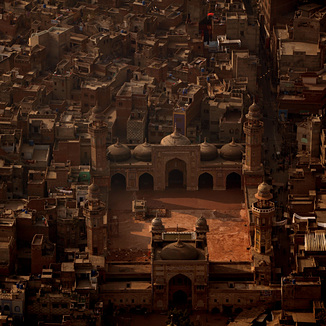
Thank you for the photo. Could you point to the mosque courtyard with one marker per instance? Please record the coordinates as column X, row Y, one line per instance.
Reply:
column 228, row 237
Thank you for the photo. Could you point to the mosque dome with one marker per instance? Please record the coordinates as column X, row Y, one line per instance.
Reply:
column 143, row 152
column 175, row 139
column 254, row 112
column 97, row 113
column 254, row 107
column 208, row 151
column 157, row 224
column 264, row 191
column 93, row 191
column 179, row 251
column 118, row 152
column 232, row 151
column 201, row 222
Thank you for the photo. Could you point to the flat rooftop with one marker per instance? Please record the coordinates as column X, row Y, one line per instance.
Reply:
column 228, row 238
column 309, row 48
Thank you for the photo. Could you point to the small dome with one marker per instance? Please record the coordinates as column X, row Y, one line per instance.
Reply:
column 254, row 107
column 118, row 152
column 157, row 224
column 254, row 112
column 264, row 191
column 208, row 151
column 232, row 151
column 97, row 114
column 143, row 152
column 179, row 251
column 175, row 139
column 93, row 191
column 201, row 222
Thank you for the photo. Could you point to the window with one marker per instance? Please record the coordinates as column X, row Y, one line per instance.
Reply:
column 132, row 300
column 239, row 300
column 17, row 309
column 55, row 305
column 44, row 305
column 64, row 306
column 128, row 285
column 215, row 300
column 144, row 300
column 226, row 300
column 121, row 300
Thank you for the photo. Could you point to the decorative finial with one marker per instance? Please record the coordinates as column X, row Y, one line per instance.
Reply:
column 205, row 140
column 175, row 129
column 232, row 142
column 179, row 243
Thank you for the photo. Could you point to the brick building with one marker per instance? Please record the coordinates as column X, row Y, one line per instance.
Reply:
column 43, row 253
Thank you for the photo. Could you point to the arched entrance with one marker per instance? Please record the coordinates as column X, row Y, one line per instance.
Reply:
column 233, row 181
column 146, row 182
column 175, row 179
column 118, row 182
column 175, row 173
column 180, row 291
column 205, row 181
column 6, row 310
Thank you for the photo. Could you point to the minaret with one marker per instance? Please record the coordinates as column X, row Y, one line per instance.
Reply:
column 263, row 212
column 94, row 211
column 253, row 128
column 98, row 130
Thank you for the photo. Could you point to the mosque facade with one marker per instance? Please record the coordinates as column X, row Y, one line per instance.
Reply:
column 175, row 161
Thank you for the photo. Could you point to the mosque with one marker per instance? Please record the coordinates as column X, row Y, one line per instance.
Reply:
column 180, row 270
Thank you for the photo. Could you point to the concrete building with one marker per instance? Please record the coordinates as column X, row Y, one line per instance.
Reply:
column 95, row 93
column 56, row 40
column 271, row 10
column 43, row 253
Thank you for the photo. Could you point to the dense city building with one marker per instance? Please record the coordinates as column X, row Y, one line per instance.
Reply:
column 162, row 160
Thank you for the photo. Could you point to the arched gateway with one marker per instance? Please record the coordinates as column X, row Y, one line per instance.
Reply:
column 180, row 291
column 146, row 182
column 233, row 181
column 176, row 173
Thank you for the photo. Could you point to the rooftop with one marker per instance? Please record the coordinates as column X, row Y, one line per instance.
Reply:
column 309, row 48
